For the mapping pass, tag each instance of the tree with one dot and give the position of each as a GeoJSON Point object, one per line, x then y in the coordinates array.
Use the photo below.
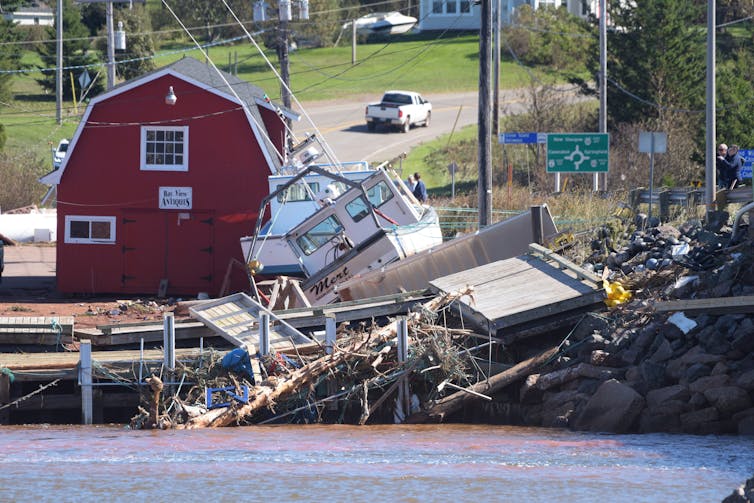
{"type": "Point", "coordinates": [735, 96]}
{"type": "Point", "coordinates": [322, 28]}
{"type": "Point", "coordinates": [656, 58]}
{"type": "Point", "coordinates": [212, 18]}
{"type": "Point", "coordinates": [550, 37]}
{"type": "Point", "coordinates": [76, 53]}
{"type": "Point", "coordinates": [139, 43]}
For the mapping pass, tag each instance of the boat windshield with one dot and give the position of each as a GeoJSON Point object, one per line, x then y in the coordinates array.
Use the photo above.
{"type": "Point", "coordinates": [297, 192]}
{"type": "Point", "coordinates": [378, 195]}
{"type": "Point", "coordinates": [320, 235]}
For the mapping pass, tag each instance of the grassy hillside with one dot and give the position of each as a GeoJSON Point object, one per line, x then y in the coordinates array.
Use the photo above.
{"type": "Point", "coordinates": [426, 62]}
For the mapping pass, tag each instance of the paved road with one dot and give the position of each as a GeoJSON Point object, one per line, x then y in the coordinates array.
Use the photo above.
{"type": "Point", "coordinates": [29, 271]}
{"type": "Point", "coordinates": [344, 129]}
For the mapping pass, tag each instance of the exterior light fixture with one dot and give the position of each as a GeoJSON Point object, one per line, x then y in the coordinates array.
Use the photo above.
{"type": "Point", "coordinates": [170, 98]}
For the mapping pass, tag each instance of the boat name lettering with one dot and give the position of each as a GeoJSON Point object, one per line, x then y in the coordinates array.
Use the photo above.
{"type": "Point", "coordinates": [329, 282]}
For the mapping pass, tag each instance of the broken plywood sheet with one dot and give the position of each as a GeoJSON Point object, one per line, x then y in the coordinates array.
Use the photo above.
{"type": "Point", "coordinates": [520, 290]}
{"type": "Point", "coordinates": [236, 319]}
{"type": "Point", "coordinates": [499, 241]}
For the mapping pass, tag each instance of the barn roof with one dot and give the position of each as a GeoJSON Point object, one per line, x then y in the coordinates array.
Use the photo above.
{"type": "Point", "coordinates": [205, 76]}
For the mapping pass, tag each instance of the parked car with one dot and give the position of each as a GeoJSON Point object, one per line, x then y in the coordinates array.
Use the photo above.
{"type": "Point", "coordinates": [59, 154]}
{"type": "Point", "coordinates": [399, 108]}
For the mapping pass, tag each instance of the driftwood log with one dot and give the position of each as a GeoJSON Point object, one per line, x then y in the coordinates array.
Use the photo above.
{"type": "Point", "coordinates": [273, 389]}
{"type": "Point", "coordinates": [452, 403]}
{"type": "Point", "coordinates": [155, 383]}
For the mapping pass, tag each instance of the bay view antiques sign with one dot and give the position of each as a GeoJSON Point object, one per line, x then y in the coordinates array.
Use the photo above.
{"type": "Point", "coordinates": [175, 198]}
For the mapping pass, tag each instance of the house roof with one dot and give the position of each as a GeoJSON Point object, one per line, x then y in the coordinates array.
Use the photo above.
{"type": "Point", "coordinates": [205, 76]}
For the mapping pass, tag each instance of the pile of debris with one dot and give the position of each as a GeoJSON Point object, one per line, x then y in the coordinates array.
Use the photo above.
{"type": "Point", "coordinates": [674, 352]}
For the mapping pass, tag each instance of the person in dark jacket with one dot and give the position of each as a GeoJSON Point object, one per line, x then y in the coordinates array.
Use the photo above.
{"type": "Point", "coordinates": [734, 165]}
{"type": "Point", "coordinates": [420, 191]}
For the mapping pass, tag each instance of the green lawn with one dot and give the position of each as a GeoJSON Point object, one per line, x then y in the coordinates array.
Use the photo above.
{"type": "Point", "coordinates": [426, 62]}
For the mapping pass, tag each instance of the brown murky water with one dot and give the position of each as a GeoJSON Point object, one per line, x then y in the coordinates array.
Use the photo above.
{"type": "Point", "coordinates": [373, 463]}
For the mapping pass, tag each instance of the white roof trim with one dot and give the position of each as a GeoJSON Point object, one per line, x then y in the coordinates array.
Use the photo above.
{"type": "Point", "coordinates": [54, 177]}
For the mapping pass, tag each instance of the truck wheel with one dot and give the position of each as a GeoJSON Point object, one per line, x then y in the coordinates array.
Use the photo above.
{"type": "Point", "coordinates": [371, 126]}
{"type": "Point", "coordinates": [428, 119]}
{"type": "Point", "coordinates": [407, 124]}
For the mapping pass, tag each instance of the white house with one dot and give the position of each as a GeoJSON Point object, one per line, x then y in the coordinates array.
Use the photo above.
{"type": "Point", "coordinates": [464, 15]}
{"type": "Point", "coordinates": [35, 13]}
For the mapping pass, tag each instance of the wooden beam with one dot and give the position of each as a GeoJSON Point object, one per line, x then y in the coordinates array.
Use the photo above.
{"type": "Point", "coordinates": [718, 305]}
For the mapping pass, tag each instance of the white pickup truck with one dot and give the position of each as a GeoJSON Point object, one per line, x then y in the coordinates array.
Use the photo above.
{"type": "Point", "coordinates": [399, 108]}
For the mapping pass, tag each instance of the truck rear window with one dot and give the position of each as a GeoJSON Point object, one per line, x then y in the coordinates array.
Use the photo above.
{"type": "Point", "coordinates": [403, 99]}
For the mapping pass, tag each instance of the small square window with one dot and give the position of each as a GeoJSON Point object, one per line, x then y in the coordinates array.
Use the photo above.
{"type": "Point", "coordinates": [158, 146]}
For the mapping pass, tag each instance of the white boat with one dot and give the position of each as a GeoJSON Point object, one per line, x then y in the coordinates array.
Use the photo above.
{"type": "Point", "coordinates": [372, 223]}
{"type": "Point", "coordinates": [288, 209]}
{"type": "Point", "coordinates": [383, 23]}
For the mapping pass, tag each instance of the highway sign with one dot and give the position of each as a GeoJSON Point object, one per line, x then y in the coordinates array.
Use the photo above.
{"type": "Point", "coordinates": [578, 152]}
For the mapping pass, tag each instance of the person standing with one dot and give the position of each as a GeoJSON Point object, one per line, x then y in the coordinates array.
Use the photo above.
{"type": "Point", "coordinates": [420, 191]}
{"type": "Point", "coordinates": [411, 182]}
{"type": "Point", "coordinates": [735, 165]}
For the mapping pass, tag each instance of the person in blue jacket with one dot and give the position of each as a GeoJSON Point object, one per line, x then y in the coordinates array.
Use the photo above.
{"type": "Point", "coordinates": [420, 191]}
{"type": "Point", "coordinates": [732, 165]}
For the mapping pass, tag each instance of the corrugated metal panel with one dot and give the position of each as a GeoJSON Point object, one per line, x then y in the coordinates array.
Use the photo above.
{"type": "Point", "coordinates": [502, 240]}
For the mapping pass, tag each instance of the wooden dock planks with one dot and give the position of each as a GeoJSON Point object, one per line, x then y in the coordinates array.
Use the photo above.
{"type": "Point", "coordinates": [41, 330]}
{"type": "Point", "coordinates": [521, 290]}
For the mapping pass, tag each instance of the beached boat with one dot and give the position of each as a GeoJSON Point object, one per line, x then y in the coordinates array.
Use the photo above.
{"type": "Point", "coordinates": [383, 23]}
{"type": "Point", "coordinates": [359, 226]}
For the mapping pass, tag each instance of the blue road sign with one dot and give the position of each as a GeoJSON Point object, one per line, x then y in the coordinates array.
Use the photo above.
{"type": "Point", "coordinates": [517, 138]}
{"type": "Point", "coordinates": [748, 156]}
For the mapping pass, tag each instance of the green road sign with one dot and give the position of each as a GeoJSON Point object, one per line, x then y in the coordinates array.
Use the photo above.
{"type": "Point", "coordinates": [577, 152]}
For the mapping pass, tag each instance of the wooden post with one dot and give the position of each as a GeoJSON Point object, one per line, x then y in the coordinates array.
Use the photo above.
{"type": "Point", "coordinates": [403, 390]}
{"type": "Point", "coordinates": [329, 333]}
{"type": "Point", "coordinates": [353, 42]}
{"type": "Point", "coordinates": [85, 378]}
{"type": "Point", "coordinates": [537, 229]}
{"type": "Point", "coordinates": [330, 329]}
{"type": "Point", "coordinates": [168, 340]}
{"type": "Point", "coordinates": [4, 397]}
{"type": "Point", "coordinates": [264, 334]}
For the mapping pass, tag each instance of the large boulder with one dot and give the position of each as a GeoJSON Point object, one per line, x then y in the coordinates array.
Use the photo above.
{"type": "Point", "coordinates": [728, 399]}
{"type": "Point", "coordinates": [613, 408]}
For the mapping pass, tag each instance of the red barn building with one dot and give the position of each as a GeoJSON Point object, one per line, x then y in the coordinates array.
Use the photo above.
{"type": "Point", "coordinates": [156, 191]}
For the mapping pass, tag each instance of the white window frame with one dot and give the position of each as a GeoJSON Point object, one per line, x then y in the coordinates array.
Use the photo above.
{"type": "Point", "coordinates": [69, 219]}
{"type": "Point", "coordinates": [445, 12]}
{"type": "Point", "coordinates": [164, 167]}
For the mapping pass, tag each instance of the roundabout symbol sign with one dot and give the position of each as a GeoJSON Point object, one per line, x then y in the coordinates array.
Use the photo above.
{"type": "Point", "coordinates": [577, 152]}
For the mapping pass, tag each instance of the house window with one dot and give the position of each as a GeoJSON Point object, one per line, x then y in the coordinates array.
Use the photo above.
{"type": "Point", "coordinates": [86, 229]}
{"type": "Point", "coordinates": [451, 7]}
{"type": "Point", "coordinates": [164, 148]}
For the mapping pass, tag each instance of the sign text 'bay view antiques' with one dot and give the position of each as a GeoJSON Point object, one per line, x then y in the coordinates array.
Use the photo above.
{"type": "Point", "coordinates": [175, 198]}
{"type": "Point", "coordinates": [578, 152]}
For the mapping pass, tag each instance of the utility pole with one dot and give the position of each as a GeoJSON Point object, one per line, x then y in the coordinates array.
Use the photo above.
{"type": "Point", "coordinates": [284, 16]}
{"type": "Point", "coordinates": [485, 147]}
{"type": "Point", "coordinates": [59, 71]}
{"type": "Point", "coordinates": [710, 183]}
{"type": "Point", "coordinates": [496, 86]}
{"type": "Point", "coordinates": [110, 46]}
{"type": "Point", "coordinates": [603, 85]}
